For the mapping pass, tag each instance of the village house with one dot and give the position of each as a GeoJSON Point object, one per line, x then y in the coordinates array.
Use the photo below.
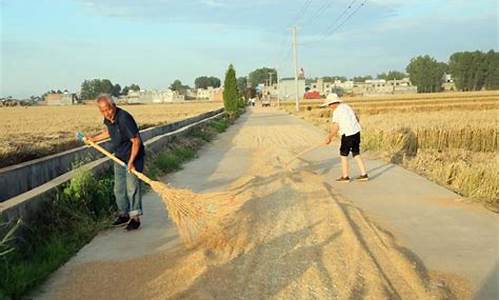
{"type": "Point", "coordinates": [210, 93]}
{"type": "Point", "coordinates": [383, 87]}
{"type": "Point", "coordinates": [153, 96]}
{"type": "Point", "coordinates": [61, 99]}
{"type": "Point", "coordinates": [326, 88]}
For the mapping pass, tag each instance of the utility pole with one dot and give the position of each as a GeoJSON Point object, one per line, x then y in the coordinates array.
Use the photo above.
{"type": "Point", "coordinates": [278, 87]}
{"type": "Point", "coordinates": [270, 84]}
{"type": "Point", "coordinates": [294, 47]}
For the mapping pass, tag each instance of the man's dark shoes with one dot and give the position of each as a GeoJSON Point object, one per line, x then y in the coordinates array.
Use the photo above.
{"type": "Point", "coordinates": [133, 224]}
{"type": "Point", "coordinates": [362, 177]}
{"type": "Point", "coordinates": [344, 179]}
{"type": "Point", "coordinates": [121, 220]}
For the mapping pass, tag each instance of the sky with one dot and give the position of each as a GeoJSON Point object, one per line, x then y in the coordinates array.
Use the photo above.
{"type": "Point", "coordinates": [56, 44]}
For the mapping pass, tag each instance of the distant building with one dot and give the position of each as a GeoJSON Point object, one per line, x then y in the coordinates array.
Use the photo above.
{"type": "Point", "coordinates": [287, 89]}
{"type": "Point", "coordinates": [153, 96]}
{"type": "Point", "coordinates": [217, 95]}
{"type": "Point", "coordinates": [210, 93]}
{"type": "Point", "coordinates": [448, 83]}
{"type": "Point", "coordinates": [326, 88]}
{"type": "Point", "coordinates": [383, 87]}
{"type": "Point", "coordinates": [61, 99]}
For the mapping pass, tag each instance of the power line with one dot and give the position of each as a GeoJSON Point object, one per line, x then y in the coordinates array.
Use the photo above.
{"type": "Point", "coordinates": [345, 20]}
{"type": "Point", "coordinates": [334, 27]}
{"type": "Point", "coordinates": [320, 11]}
{"type": "Point", "coordinates": [339, 17]}
{"type": "Point", "coordinates": [302, 11]}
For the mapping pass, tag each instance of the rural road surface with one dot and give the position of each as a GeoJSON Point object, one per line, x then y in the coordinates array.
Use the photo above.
{"type": "Point", "coordinates": [294, 234]}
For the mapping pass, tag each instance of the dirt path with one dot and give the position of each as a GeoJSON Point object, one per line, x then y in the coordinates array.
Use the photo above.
{"type": "Point", "coordinates": [292, 235]}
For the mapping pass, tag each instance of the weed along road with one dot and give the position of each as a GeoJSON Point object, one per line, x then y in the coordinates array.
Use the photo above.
{"type": "Point", "coordinates": [294, 234]}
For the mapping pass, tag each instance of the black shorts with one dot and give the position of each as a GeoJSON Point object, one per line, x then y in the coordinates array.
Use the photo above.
{"type": "Point", "coordinates": [350, 143]}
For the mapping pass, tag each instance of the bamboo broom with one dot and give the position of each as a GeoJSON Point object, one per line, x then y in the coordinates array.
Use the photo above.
{"type": "Point", "coordinates": [184, 206]}
{"type": "Point", "coordinates": [286, 164]}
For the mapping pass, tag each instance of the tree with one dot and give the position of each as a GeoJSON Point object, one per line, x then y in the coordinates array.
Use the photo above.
{"type": "Point", "coordinates": [134, 87]}
{"type": "Point", "coordinates": [261, 75]}
{"type": "Point", "coordinates": [125, 90]}
{"type": "Point", "coordinates": [426, 73]}
{"type": "Point", "coordinates": [391, 75]}
{"type": "Point", "coordinates": [90, 89]}
{"type": "Point", "coordinates": [116, 91]}
{"type": "Point", "coordinates": [204, 82]}
{"type": "Point", "coordinates": [106, 86]}
{"type": "Point", "coordinates": [473, 71]}
{"type": "Point", "coordinates": [178, 86]}
{"type": "Point", "coordinates": [242, 85]}
{"type": "Point", "coordinates": [230, 95]}
{"type": "Point", "coordinates": [491, 80]}
{"type": "Point", "coordinates": [362, 78]}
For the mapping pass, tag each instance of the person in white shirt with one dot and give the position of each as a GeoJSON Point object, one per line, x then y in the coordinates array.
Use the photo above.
{"type": "Point", "coordinates": [345, 122]}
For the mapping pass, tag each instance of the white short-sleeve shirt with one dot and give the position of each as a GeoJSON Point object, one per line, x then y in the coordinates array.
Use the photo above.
{"type": "Point", "coordinates": [346, 118]}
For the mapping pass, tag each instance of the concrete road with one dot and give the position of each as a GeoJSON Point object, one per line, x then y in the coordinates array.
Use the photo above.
{"type": "Point", "coordinates": [438, 229]}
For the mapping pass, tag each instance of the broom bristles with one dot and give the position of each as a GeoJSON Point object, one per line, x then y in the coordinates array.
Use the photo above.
{"type": "Point", "coordinates": [192, 212]}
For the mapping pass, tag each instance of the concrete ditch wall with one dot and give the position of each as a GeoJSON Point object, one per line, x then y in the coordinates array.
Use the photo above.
{"type": "Point", "coordinates": [25, 204]}
{"type": "Point", "coordinates": [20, 178]}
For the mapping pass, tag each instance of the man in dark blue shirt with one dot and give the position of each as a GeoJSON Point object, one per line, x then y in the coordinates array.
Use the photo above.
{"type": "Point", "coordinates": [128, 147]}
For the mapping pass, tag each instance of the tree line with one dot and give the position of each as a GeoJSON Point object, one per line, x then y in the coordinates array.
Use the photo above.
{"type": "Point", "coordinates": [90, 89]}
{"type": "Point", "coordinates": [470, 71]}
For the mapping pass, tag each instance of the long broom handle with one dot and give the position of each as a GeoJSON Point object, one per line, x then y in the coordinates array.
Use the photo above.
{"type": "Point", "coordinates": [119, 161]}
{"type": "Point", "coordinates": [304, 152]}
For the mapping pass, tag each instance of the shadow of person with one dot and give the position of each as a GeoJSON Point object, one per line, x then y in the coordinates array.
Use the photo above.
{"type": "Point", "coordinates": [380, 170]}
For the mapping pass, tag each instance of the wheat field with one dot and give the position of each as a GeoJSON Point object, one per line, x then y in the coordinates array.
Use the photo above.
{"type": "Point", "coordinates": [31, 132]}
{"type": "Point", "coordinates": [451, 138]}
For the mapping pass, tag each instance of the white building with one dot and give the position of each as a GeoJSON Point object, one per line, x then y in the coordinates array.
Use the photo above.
{"type": "Point", "coordinates": [153, 96]}
{"type": "Point", "coordinates": [65, 98]}
{"type": "Point", "coordinates": [209, 93]}
{"type": "Point", "coordinates": [326, 88]}
{"type": "Point", "coordinates": [383, 87]}
{"type": "Point", "coordinates": [287, 89]}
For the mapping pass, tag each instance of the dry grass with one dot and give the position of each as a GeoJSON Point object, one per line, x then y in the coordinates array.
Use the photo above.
{"type": "Point", "coordinates": [31, 132]}
{"type": "Point", "coordinates": [451, 138]}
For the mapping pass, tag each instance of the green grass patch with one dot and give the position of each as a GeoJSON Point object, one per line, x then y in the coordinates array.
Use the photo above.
{"type": "Point", "coordinates": [203, 133]}
{"type": "Point", "coordinates": [220, 125]}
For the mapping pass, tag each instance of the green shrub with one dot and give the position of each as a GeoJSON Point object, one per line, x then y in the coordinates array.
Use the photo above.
{"type": "Point", "coordinates": [168, 162]}
{"type": "Point", "coordinates": [203, 134]}
{"type": "Point", "coordinates": [220, 125]}
{"type": "Point", "coordinates": [185, 153]}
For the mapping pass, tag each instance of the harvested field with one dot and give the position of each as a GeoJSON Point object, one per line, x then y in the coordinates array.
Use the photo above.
{"type": "Point", "coordinates": [451, 138]}
{"type": "Point", "coordinates": [31, 132]}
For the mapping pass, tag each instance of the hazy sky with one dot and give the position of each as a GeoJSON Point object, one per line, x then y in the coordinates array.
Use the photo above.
{"type": "Point", "coordinates": [56, 44]}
